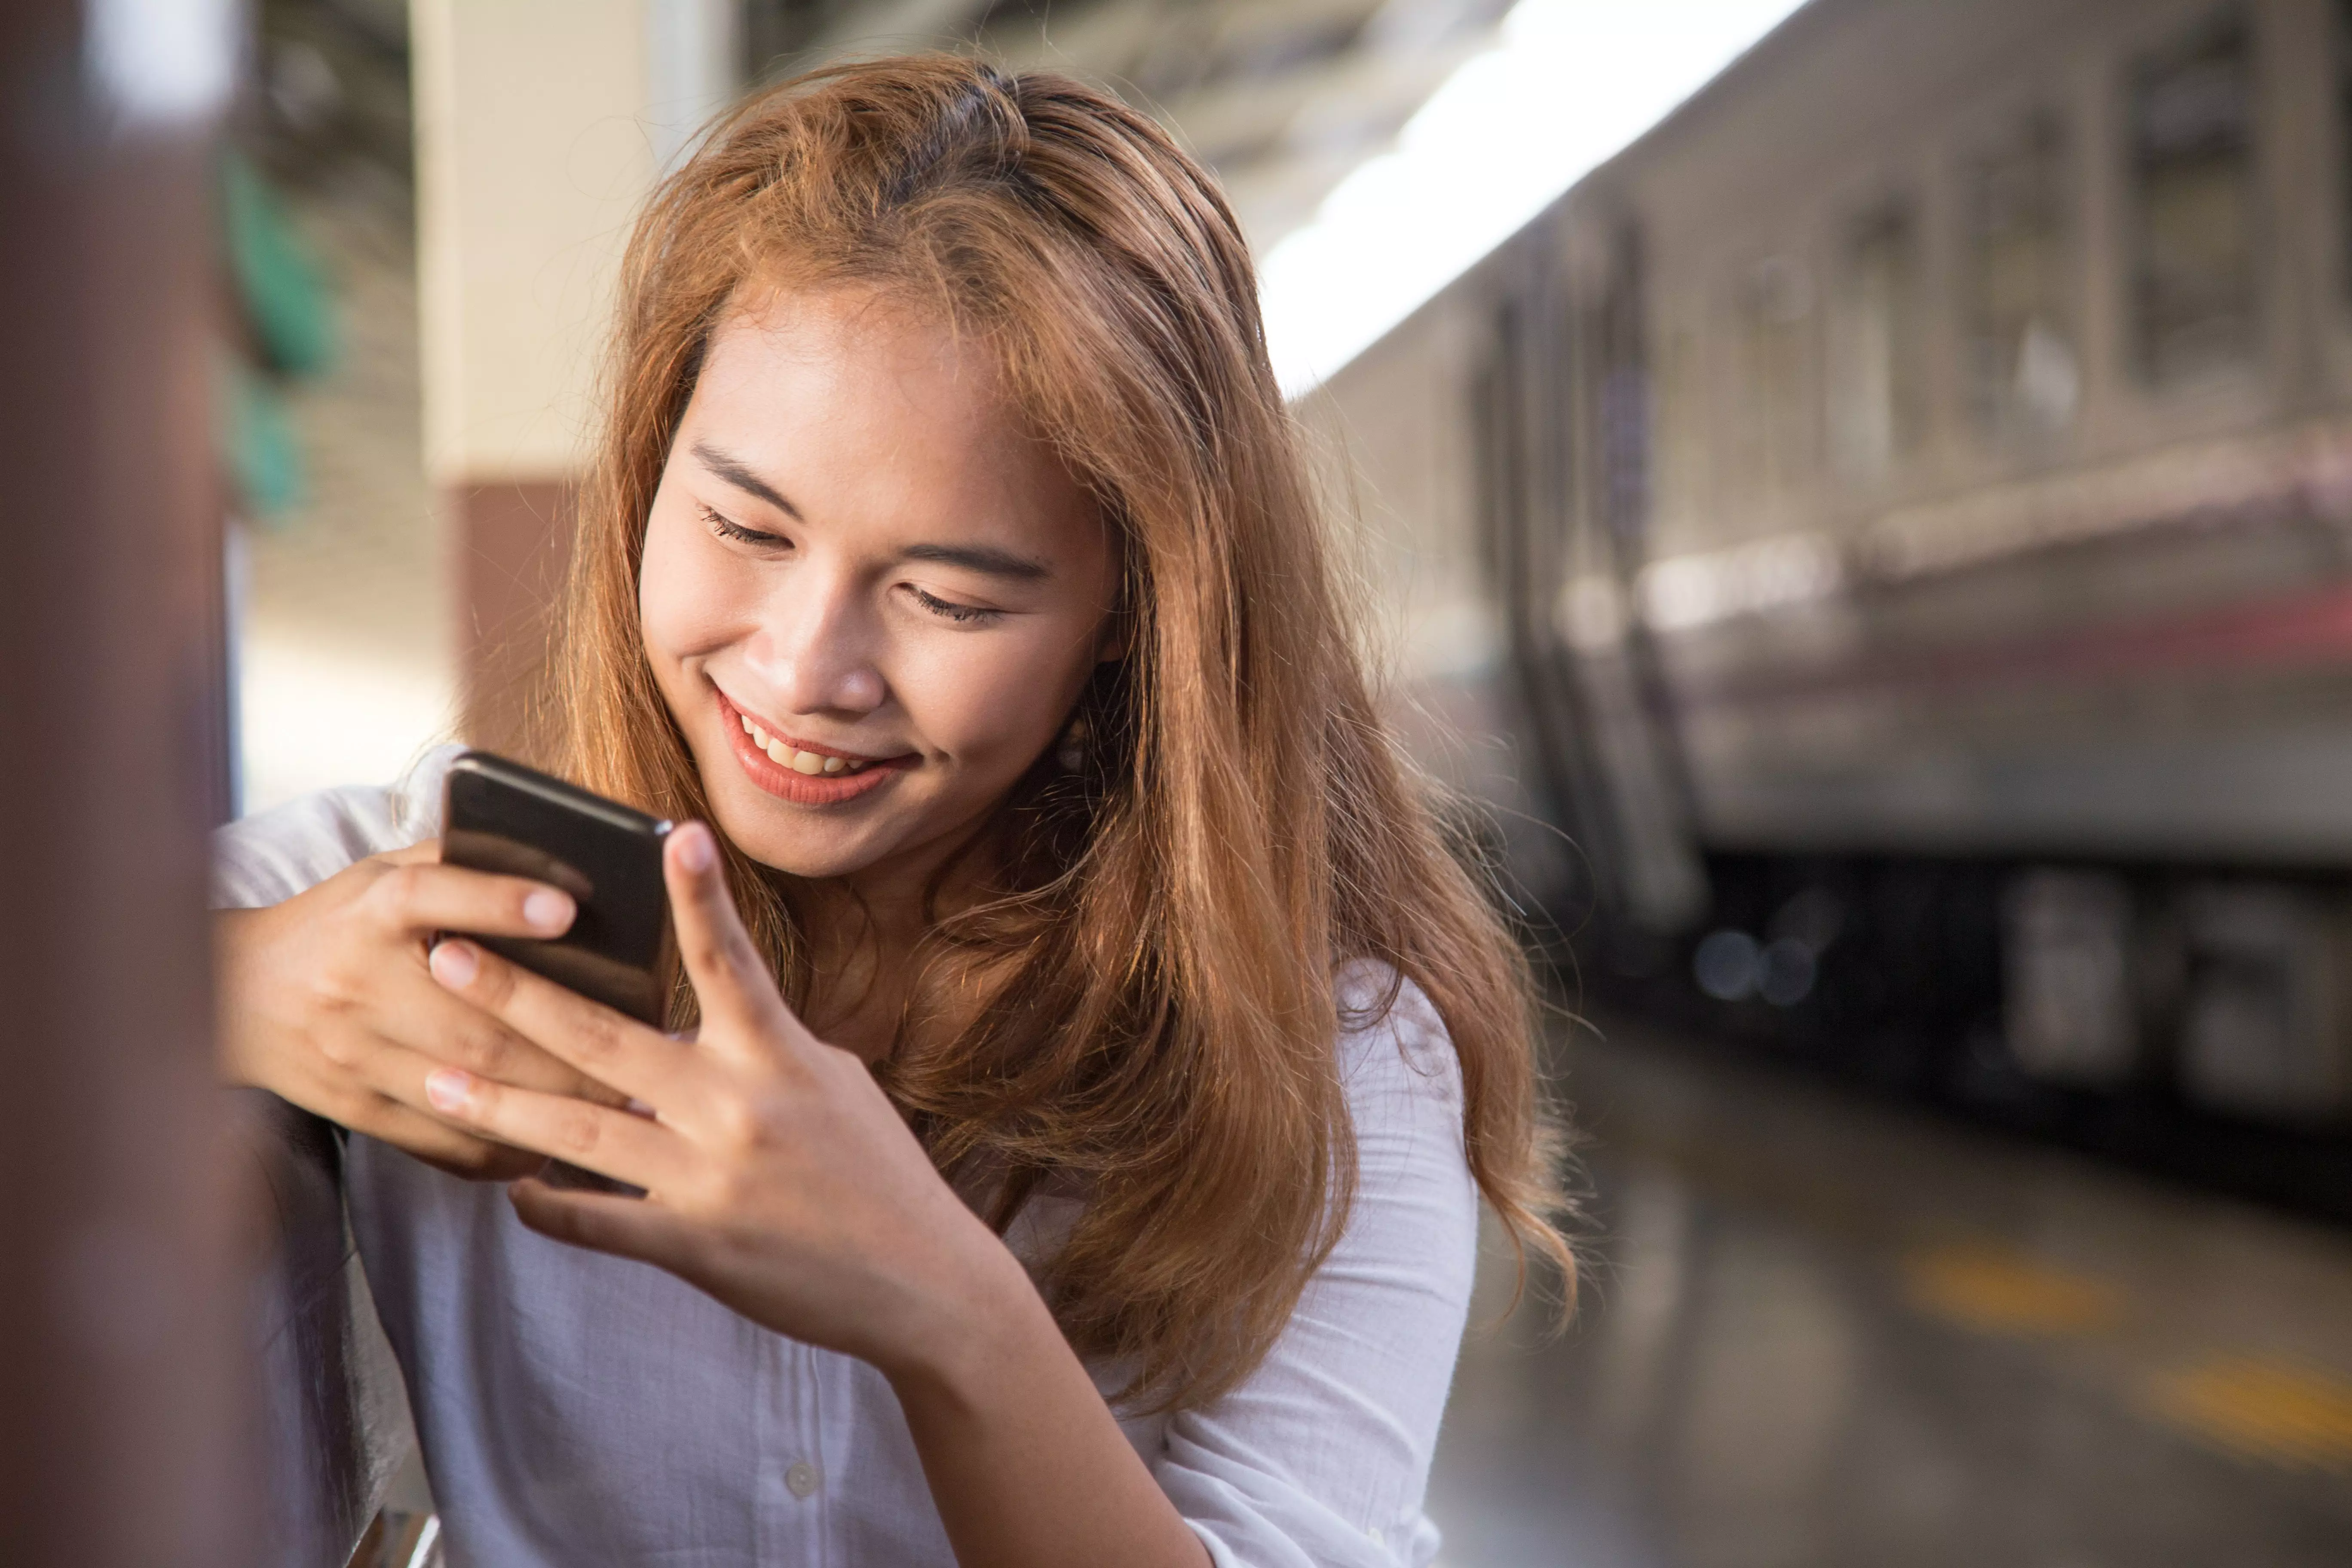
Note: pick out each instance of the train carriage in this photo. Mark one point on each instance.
(1897, 518)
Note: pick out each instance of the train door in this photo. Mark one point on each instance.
(1508, 431)
(1567, 478)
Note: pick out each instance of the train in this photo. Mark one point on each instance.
(1879, 552)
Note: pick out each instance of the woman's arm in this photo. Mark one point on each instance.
(1321, 1456)
(781, 1179)
(1025, 1461)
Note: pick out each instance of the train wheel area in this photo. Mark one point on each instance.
(1821, 1329)
(2190, 1024)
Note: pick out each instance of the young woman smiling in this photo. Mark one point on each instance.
(1070, 1144)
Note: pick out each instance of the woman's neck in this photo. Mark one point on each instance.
(862, 931)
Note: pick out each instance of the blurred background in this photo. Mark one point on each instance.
(1861, 497)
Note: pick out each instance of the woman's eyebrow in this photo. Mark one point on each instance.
(982, 558)
(737, 472)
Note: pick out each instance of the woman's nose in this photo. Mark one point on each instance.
(817, 647)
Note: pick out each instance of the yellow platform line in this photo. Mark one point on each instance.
(2261, 1407)
(1999, 1290)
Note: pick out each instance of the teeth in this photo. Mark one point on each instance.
(799, 761)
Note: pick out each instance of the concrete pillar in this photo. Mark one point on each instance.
(123, 1437)
(540, 126)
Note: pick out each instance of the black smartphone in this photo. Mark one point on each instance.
(501, 817)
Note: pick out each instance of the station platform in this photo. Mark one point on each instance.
(1820, 1331)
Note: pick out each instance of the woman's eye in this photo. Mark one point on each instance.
(725, 528)
(948, 610)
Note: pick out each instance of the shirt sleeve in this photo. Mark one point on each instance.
(269, 856)
(1319, 1460)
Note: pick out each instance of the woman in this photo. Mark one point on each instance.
(1070, 1148)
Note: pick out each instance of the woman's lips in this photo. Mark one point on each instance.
(805, 788)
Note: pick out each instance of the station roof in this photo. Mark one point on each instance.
(1282, 98)
(1372, 148)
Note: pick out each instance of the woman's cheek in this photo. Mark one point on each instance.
(658, 596)
(982, 700)
(682, 596)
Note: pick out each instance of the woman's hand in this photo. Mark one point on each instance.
(779, 1178)
(326, 1002)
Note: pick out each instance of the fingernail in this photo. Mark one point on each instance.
(694, 847)
(454, 962)
(447, 1088)
(548, 910)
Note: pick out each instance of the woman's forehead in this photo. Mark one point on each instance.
(866, 406)
(857, 343)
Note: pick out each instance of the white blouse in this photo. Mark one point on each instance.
(578, 1409)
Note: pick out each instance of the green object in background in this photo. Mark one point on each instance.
(265, 456)
(279, 280)
(288, 316)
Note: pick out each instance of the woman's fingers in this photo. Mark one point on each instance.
(418, 896)
(730, 980)
(437, 1028)
(622, 1053)
(616, 1143)
(388, 1101)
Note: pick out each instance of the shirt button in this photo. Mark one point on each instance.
(801, 1479)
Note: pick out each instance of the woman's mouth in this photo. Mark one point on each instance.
(803, 772)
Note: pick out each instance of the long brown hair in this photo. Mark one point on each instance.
(1143, 1011)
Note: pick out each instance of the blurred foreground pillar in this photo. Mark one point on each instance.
(122, 1437)
(540, 125)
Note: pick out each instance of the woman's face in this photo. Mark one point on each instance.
(869, 597)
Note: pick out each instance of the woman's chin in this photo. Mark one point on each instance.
(809, 850)
(800, 839)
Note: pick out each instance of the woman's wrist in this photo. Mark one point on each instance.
(977, 1333)
(1025, 1461)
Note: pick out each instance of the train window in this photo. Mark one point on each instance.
(2193, 189)
(1877, 409)
(1768, 429)
(2023, 377)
